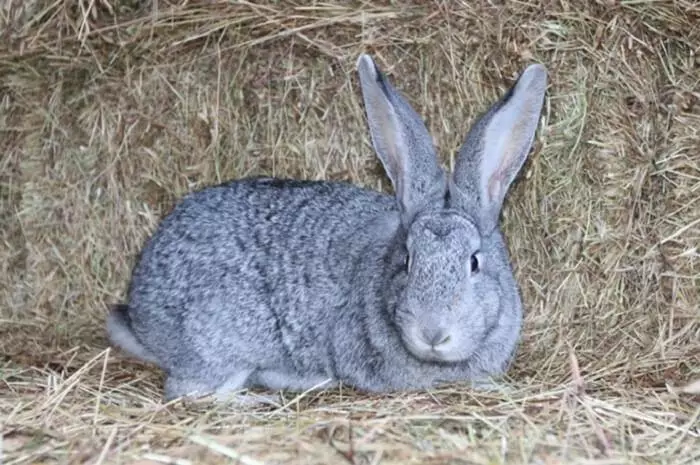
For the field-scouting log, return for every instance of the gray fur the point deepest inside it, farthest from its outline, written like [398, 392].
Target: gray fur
[297, 285]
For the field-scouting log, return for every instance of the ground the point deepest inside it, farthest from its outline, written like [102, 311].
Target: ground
[109, 111]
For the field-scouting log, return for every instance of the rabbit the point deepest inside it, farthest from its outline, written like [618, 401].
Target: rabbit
[300, 285]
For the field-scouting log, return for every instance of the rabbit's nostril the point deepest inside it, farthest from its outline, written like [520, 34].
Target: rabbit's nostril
[436, 337]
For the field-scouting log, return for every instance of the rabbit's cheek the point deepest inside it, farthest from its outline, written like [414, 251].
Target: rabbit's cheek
[490, 304]
[486, 300]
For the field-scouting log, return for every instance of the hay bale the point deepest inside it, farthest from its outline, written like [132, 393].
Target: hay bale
[112, 110]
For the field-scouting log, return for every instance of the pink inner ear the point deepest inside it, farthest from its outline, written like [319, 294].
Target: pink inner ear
[387, 132]
[496, 180]
[392, 151]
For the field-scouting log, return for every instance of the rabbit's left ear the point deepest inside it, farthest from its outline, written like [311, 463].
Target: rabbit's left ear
[402, 143]
[496, 148]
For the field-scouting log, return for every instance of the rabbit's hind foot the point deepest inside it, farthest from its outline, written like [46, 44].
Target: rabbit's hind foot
[228, 391]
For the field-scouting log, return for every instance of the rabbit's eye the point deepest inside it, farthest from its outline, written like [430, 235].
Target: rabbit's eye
[475, 264]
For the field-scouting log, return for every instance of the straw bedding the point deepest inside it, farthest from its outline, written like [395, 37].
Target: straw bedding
[109, 111]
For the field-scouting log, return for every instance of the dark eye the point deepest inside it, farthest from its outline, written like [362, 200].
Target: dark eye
[407, 263]
[475, 264]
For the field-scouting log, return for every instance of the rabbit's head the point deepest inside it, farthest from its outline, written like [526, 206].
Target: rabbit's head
[458, 292]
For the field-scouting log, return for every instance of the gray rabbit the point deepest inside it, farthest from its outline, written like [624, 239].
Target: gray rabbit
[297, 285]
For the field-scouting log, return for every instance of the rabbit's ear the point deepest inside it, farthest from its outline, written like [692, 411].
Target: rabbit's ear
[496, 148]
[402, 143]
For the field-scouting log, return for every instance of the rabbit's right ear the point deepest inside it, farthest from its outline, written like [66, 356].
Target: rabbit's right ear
[402, 143]
[496, 148]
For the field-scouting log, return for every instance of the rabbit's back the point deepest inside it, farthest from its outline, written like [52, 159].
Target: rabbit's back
[254, 269]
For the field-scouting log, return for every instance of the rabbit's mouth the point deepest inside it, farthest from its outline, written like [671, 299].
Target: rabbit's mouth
[431, 345]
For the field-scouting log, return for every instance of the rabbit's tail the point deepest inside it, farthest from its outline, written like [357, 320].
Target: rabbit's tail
[121, 335]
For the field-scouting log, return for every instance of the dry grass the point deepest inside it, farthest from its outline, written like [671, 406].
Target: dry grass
[111, 110]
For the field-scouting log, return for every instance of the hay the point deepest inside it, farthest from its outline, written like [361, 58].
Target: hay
[111, 110]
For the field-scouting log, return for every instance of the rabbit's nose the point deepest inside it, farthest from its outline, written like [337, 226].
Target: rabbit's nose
[436, 337]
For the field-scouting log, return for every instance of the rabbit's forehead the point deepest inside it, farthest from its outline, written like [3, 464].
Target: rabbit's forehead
[444, 229]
